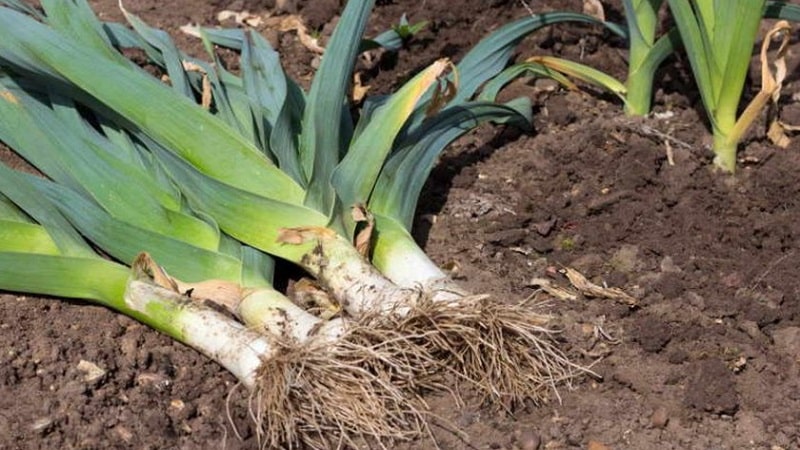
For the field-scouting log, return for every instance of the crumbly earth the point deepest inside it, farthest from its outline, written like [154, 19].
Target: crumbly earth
[710, 359]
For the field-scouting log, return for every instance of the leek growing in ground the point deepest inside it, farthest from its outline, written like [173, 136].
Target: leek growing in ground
[647, 50]
[719, 42]
[718, 38]
[283, 171]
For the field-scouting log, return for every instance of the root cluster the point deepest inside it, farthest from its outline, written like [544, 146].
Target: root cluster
[360, 388]
[505, 351]
[364, 388]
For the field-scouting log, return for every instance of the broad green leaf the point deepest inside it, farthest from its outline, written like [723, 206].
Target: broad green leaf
[124, 147]
[264, 83]
[737, 30]
[188, 261]
[492, 88]
[696, 45]
[355, 176]
[16, 187]
[641, 16]
[325, 121]
[63, 276]
[24, 237]
[76, 19]
[126, 193]
[284, 139]
[252, 219]
[10, 211]
[22, 7]
[170, 118]
[258, 268]
[224, 37]
[583, 73]
[162, 42]
[120, 37]
[230, 102]
[492, 53]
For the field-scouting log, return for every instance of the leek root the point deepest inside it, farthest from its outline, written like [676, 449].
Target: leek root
[505, 350]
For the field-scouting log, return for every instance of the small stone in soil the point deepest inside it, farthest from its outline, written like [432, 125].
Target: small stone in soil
[597, 445]
[42, 426]
[528, 440]
[659, 418]
[123, 433]
[157, 380]
[92, 372]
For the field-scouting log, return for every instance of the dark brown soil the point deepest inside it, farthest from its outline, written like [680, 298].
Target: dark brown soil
[709, 359]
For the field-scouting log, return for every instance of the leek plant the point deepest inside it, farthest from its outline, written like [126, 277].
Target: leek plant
[718, 38]
[719, 42]
[647, 50]
[282, 172]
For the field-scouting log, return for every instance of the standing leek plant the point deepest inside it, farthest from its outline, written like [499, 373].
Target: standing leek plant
[647, 49]
[719, 39]
[214, 173]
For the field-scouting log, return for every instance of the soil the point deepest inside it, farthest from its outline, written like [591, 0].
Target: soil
[710, 358]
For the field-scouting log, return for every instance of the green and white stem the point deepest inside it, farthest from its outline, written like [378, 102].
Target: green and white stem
[232, 345]
[398, 256]
[235, 347]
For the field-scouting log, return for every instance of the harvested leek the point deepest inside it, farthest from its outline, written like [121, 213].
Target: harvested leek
[281, 171]
[330, 366]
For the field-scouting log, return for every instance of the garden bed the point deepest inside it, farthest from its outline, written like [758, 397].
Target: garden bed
[710, 357]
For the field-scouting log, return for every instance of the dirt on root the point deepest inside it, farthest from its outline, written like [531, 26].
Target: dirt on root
[710, 358]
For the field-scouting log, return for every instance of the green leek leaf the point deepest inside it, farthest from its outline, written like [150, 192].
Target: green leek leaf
[284, 140]
[65, 276]
[492, 53]
[171, 119]
[584, 73]
[124, 241]
[24, 237]
[15, 187]
[252, 219]
[355, 176]
[76, 19]
[161, 42]
[264, 83]
[327, 126]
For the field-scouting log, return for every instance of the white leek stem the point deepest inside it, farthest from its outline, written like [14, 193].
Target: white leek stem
[234, 347]
[400, 259]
